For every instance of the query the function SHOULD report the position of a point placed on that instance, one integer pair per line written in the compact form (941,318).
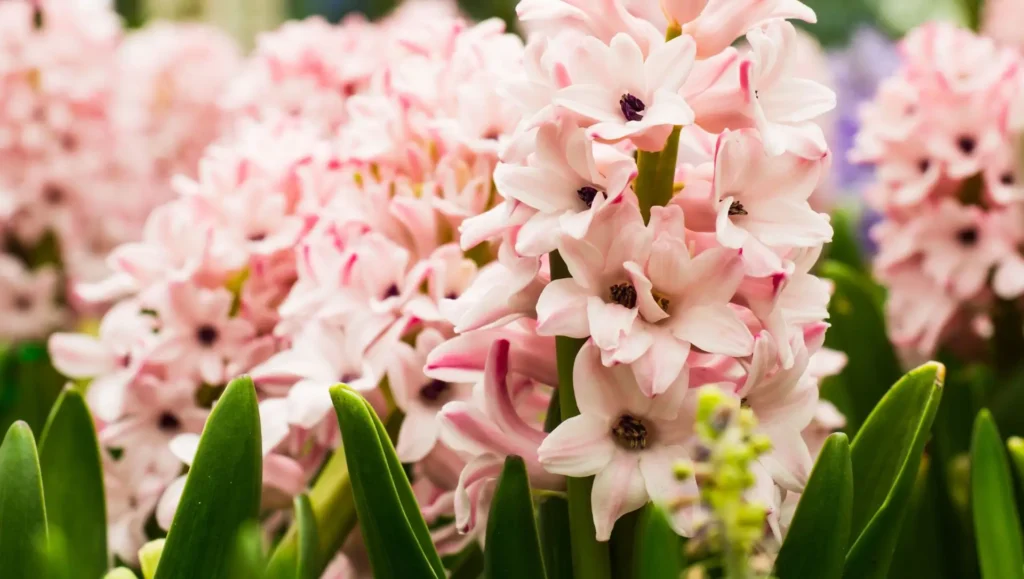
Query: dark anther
(207,335)
(967,236)
(630,433)
(587,195)
(23,302)
(966,144)
(391,292)
(53,194)
(923,165)
(434,391)
(737,209)
(169,422)
(1007,179)
(632,107)
(624,294)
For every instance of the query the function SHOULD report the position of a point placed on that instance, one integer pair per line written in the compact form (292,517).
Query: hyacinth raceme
(94,124)
(383,211)
(943,138)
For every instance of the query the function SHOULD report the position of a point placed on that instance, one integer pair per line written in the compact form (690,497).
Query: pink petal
(498,399)
(284,474)
(80,356)
(562,310)
(715,329)
(580,446)
(417,436)
(168,503)
(618,489)
(609,322)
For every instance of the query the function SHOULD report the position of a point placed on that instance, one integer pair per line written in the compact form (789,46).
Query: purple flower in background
(858,69)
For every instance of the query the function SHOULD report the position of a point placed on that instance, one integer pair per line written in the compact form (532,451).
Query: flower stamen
(624,294)
(630,433)
(632,107)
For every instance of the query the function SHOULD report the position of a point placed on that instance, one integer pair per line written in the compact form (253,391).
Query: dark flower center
(623,294)
(967,236)
(661,300)
(435,391)
(632,107)
(923,165)
(737,209)
(23,302)
(53,194)
(630,433)
(257,237)
(349,377)
(207,335)
(168,422)
(391,292)
(1007,179)
(587,195)
(966,144)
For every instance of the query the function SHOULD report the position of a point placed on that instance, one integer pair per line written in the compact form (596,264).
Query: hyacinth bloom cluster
(943,136)
(93,124)
(386,209)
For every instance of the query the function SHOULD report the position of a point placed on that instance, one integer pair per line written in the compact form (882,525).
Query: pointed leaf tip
(996,524)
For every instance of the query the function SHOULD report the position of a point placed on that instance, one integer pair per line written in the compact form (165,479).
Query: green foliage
(22,508)
(886,454)
(392,526)
(996,522)
(29,385)
(858,329)
(222,491)
(308,566)
(845,247)
(820,532)
(513,546)
(659,550)
(69,456)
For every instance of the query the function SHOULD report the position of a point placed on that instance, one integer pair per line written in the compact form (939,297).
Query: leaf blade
(997,530)
(69,456)
(513,544)
(659,549)
(886,455)
(820,532)
(22,506)
(309,543)
(393,548)
(222,491)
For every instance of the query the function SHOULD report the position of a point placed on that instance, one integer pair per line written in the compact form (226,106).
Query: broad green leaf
(886,455)
(920,544)
(659,550)
(513,547)
(819,535)
(394,549)
(858,329)
(309,544)
(469,564)
(29,385)
(52,549)
(222,491)
(22,509)
(69,456)
(996,525)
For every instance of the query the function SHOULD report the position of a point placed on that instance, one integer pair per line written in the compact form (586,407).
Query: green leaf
(22,509)
(334,510)
(659,550)
(820,532)
(996,524)
(845,247)
(513,547)
(920,543)
(247,560)
(886,455)
(309,545)
(1016,447)
(29,385)
(389,529)
(858,329)
(222,491)
(69,456)
(553,517)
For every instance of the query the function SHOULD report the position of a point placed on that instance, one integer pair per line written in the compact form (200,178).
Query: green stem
(736,566)
(623,544)
(656,173)
(591,559)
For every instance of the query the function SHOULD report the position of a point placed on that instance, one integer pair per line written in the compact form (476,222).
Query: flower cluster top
(943,136)
(93,123)
(418,207)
